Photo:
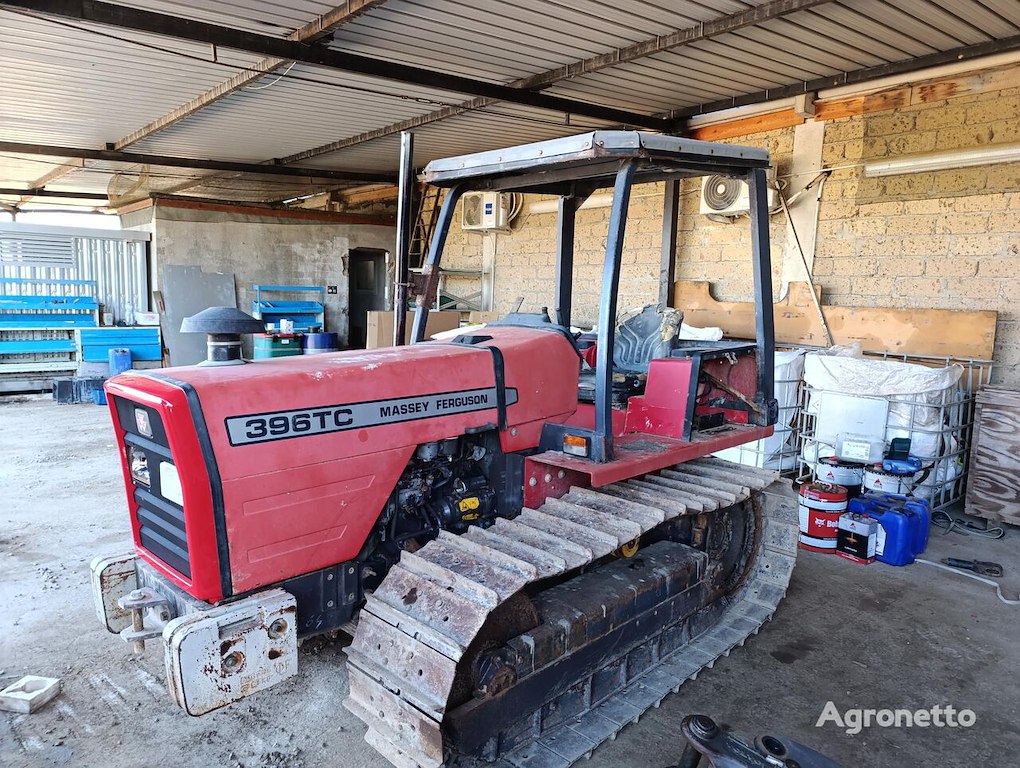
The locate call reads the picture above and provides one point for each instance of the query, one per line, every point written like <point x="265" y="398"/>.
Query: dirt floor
<point x="861" y="637"/>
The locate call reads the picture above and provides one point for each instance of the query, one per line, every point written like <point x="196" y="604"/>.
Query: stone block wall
<point x="947" y="239"/>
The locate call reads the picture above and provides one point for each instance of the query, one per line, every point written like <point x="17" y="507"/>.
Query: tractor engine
<point x="448" y="485"/>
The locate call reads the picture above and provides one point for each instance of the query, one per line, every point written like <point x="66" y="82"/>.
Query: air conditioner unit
<point x="485" y="211"/>
<point x="727" y="196"/>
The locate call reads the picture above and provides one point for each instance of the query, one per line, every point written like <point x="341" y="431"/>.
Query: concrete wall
<point x="261" y="249"/>
<point x="947" y="239"/>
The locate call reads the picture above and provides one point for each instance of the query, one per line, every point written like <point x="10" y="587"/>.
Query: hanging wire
<point x="275" y="81"/>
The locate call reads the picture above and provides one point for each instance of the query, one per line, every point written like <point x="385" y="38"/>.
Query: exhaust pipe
<point x="223" y="327"/>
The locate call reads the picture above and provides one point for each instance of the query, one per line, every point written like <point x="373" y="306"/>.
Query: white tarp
<point x="877" y="378"/>
<point x="920" y="404"/>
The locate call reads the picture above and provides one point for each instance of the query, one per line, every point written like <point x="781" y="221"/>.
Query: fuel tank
<point x="242" y="476"/>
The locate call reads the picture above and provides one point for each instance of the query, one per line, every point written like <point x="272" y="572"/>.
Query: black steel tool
<point x="980" y="567"/>
<point x="721" y="749"/>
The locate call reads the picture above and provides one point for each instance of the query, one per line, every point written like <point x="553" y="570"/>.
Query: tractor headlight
<point x="139" y="465"/>
<point x="170" y="483"/>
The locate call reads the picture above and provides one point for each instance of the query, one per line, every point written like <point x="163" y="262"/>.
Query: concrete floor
<point x="861" y="637"/>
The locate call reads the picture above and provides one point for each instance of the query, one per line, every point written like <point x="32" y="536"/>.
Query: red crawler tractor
<point x="469" y="502"/>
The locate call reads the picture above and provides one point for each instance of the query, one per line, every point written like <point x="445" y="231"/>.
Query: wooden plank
<point x="927" y="91"/>
<point x="881" y="101"/>
<point x="771" y="121"/>
<point x="967" y="84"/>
<point x="993" y="486"/>
<point x="933" y="332"/>
<point x="363" y="197"/>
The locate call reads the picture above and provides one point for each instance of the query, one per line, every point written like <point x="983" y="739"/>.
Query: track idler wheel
<point x="487" y="667"/>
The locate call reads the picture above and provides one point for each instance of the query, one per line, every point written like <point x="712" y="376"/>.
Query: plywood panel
<point x="993" y="488"/>
<point x="934" y="332"/>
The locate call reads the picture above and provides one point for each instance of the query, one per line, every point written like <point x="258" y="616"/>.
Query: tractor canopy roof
<point x="593" y="159"/>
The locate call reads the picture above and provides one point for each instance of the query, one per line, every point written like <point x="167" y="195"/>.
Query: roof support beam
<point x="54" y="193"/>
<point x="677" y="39"/>
<point x="226" y="37"/>
<point x="114" y="156"/>
<point x="309" y="33"/>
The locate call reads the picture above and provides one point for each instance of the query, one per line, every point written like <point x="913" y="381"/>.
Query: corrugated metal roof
<point x="66" y="84"/>
<point x="293" y="115"/>
<point x="268" y="18"/>
<point x="504" y="41"/>
<point x="826" y="40"/>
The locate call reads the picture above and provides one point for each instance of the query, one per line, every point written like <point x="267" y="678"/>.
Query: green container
<point x="277" y="345"/>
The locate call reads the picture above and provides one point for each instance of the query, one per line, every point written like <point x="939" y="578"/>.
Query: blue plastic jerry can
<point x="908" y="466"/>
<point x="904" y="521"/>
<point x="923" y="511"/>
<point x="920" y="525"/>
<point x="896" y="538"/>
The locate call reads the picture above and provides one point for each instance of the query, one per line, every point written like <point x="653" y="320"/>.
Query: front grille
<point x="161" y="522"/>
<point x="162" y="530"/>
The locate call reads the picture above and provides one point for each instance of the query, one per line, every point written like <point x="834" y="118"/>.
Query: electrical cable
<point x="807" y="269"/>
<point x="949" y="524"/>
<point x="969" y="575"/>
<point x="275" y="81"/>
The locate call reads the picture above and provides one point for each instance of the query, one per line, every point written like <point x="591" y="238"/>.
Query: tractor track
<point x="416" y="628"/>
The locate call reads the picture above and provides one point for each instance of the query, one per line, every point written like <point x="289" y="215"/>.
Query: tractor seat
<point x="641" y="336"/>
<point x="644" y="335"/>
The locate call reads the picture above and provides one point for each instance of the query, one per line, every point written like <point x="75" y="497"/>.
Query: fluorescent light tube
<point x="941" y="161"/>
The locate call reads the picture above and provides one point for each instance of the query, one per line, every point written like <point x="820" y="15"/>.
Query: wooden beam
<point x="361" y="197"/>
<point x="769" y="121"/>
<point x="921" y="92"/>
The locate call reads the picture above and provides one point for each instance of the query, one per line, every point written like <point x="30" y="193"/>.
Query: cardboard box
<point x="857" y="538"/>
<point x="380" y="326"/>
<point x="475" y="317"/>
